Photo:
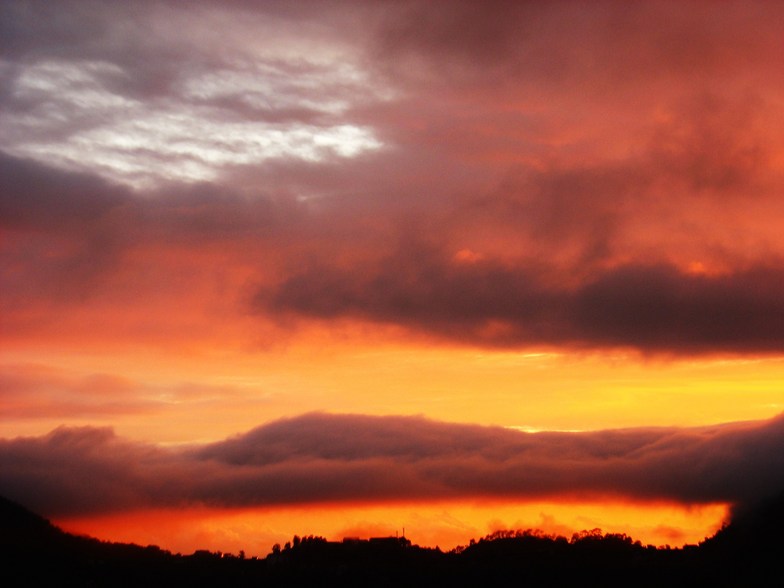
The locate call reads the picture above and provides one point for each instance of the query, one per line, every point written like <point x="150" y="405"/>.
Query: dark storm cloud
<point x="661" y="308"/>
<point x="325" y="458"/>
<point x="649" y="307"/>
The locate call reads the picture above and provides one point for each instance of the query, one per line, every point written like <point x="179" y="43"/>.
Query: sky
<point x="345" y="267"/>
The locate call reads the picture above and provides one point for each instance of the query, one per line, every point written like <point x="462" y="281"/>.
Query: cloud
<point x="35" y="391"/>
<point x="69" y="235"/>
<point x="561" y="266"/>
<point x="39" y="197"/>
<point x="658" y="308"/>
<point x="330" y="161"/>
<point x="41" y="392"/>
<point x="565" y="42"/>
<point x="158" y="94"/>
<point x="318" y="458"/>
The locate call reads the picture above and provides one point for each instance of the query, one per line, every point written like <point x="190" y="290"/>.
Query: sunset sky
<point x="344" y="267"/>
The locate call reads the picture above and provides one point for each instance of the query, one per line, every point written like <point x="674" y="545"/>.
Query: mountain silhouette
<point x="747" y="552"/>
<point x="33" y="552"/>
<point x="750" y="549"/>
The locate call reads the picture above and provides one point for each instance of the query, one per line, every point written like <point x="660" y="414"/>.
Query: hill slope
<point x="748" y="552"/>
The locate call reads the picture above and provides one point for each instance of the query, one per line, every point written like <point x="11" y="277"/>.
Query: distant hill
<point x="751" y="548"/>
<point x="33" y="552"/>
<point x="21" y="526"/>
<point x="748" y="552"/>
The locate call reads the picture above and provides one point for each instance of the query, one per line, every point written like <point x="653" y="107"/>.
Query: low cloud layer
<point x="318" y="458"/>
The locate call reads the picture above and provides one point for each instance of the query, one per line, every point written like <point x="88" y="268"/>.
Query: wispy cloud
<point x="158" y="94"/>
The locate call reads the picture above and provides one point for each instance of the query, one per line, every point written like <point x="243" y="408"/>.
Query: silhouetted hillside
<point x="748" y="552"/>
<point x="751" y="548"/>
<point x="22" y="527"/>
<point x="36" y="553"/>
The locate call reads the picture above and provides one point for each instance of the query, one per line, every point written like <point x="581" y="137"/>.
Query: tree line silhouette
<point x="747" y="552"/>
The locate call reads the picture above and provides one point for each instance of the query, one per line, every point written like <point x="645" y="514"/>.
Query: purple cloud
<point x="319" y="458"/>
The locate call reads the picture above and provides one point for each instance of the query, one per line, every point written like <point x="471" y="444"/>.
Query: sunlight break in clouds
<point x="186" y="123"/>
<point x="187" y="136"/>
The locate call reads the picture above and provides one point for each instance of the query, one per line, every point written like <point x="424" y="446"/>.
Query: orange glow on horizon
<point x="444" y="524"/>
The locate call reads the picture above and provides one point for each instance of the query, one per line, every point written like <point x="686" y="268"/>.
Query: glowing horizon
<point x="443" y="525"/>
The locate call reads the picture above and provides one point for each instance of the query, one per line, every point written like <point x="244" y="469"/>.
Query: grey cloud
<point x="320" y="458"/>
<point x="59" y="229"/>
<point x="155" y="92"/>
<point x="660" y="308"/>
<point x="34" y="196"/>
<point x="656" y="308"/>
<point x="32" y="27"/>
